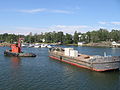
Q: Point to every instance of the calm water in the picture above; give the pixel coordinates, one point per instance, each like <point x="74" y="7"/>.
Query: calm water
<point x="43" y="73"/>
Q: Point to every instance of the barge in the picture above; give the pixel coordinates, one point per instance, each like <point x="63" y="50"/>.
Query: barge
<point x="16" y="51"/>
<point x="95" y="63"/>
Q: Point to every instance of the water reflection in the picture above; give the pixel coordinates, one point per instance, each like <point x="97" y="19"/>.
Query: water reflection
<point x="15" y="69"/>
<point x="15" y="62"/>
<point x="105" y="80"/>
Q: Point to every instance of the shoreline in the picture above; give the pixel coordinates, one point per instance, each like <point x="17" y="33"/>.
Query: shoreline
<point x="100" y="44"/>
<point x="88" y="45"/>
<point x="4" y="44"/>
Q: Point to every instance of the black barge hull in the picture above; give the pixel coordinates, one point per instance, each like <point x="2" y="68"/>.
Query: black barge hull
<point x="108" y="66"/>
<point x="9" y="53"/>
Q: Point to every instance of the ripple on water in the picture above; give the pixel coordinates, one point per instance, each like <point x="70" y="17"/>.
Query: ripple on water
<point x="44" y="73"/>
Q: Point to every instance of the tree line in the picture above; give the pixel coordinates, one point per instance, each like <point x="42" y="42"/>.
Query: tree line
<point x="60" y="37"/>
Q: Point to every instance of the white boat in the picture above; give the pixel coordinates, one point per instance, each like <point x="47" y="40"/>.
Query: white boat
<point x="37" y="46"/>
<point x="43" y="45"/>
<point x="31" y="45"/>
<point x="24" y="45"/>
<point x="49" y="46"/>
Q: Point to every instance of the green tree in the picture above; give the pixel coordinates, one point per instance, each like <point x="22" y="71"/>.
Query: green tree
<point x="115" y="35"/>
<point x="103" y="35"/>
<point x="76" y="37"/>
<point x="68" y="39"/>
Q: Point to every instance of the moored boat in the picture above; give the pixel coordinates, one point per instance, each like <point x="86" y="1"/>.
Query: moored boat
<point x="22" y="54"/>
<point x="31" y="45"/>
<point x="16" y="51"/>
<point x="36" y="46"/>
<point x="95" y="63"/>
<point x="49" y="46"/>
<point x="43" y="45"/>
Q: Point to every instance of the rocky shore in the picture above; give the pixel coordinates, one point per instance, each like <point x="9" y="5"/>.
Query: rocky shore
<point x="100" y="44"/>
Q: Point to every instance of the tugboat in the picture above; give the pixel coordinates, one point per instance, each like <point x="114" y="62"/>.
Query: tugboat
<point x="16" y="51"/>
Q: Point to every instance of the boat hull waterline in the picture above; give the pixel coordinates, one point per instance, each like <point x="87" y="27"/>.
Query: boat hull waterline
<point x="96" y="64"/>
<point x="9" y="53"/>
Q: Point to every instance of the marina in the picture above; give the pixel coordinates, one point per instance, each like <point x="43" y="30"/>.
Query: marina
<point x="37" y="45"/>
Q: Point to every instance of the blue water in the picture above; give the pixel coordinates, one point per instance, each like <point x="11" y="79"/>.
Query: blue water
<point x="44" y="73"/>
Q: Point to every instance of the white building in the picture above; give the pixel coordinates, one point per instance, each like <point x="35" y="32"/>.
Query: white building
<point x="80" y="43"/>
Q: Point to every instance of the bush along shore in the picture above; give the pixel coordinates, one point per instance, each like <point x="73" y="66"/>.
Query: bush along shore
<point x="100" y="44"/>
<point x="100" y="37"/>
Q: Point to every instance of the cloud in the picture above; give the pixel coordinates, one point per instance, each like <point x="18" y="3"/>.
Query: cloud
<point x="103" y="23"/>
<point x="33" y="10"/>
<point x="115" y="23"/>
<point x="64" y="28"/>
<point x="27" y="30"/>
<point x="45" y="10"/>
<point x="23" y="30"/>
<point x="109" y="23"/>
<point x="69" y="29"/>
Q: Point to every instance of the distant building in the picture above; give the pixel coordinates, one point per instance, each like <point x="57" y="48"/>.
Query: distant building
<point x="114" y="43"/>
<point x="80" y="43"/>
<point x="43" y="40"/>
<point x="59" y="43"/>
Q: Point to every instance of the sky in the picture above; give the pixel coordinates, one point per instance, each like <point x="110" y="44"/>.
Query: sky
<point x="36" y="16"/>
